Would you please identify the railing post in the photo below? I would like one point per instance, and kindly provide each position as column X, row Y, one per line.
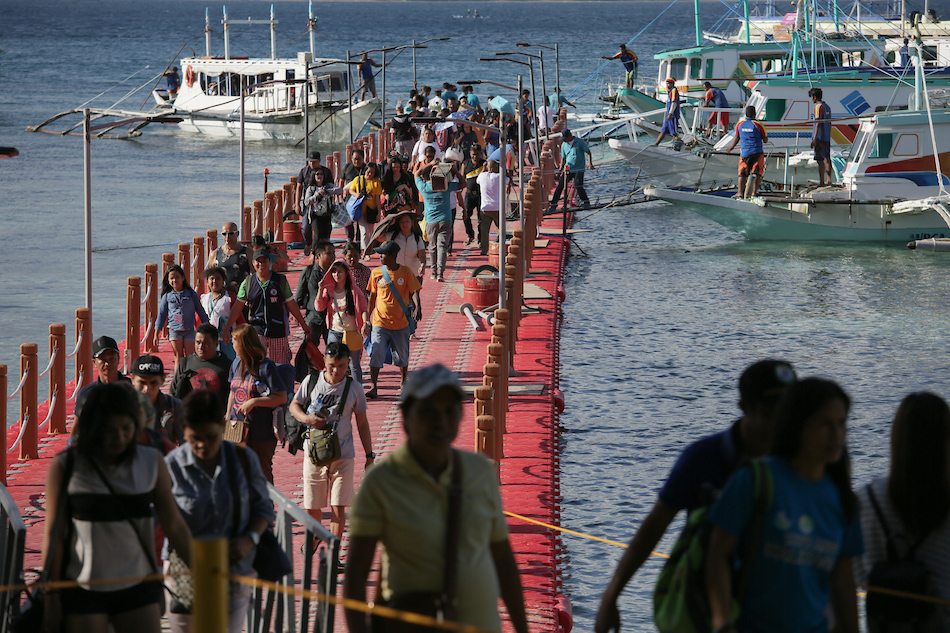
column 28, row 401
column 246, row 226
column 3, row 424
column 167, row 260
column 258, row 228
column 492, row 380
column 211, row 242
column 499, row 332
column 133, row 320
column 84, row 355
column 484, row 422
column 210, row 570
column 199, row 268
column 151, row 306
column 57, row 379
column 270, row 201
column 184, row 259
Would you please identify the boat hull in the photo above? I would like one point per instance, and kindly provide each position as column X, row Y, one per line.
column 857, row 222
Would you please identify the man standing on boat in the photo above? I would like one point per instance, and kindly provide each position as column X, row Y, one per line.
column 671, row 123
column 701, row 471
column 233, row 257
column 268, row 297
column 367, row 77
column 714, row 98
column 629, row 60
column 821, row 136
column 751, row 153
column 174, row 82
column 573, row 153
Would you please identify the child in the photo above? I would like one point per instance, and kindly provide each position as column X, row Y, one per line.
column 179, row 305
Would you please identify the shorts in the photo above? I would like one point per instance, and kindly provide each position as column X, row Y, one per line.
column 396, row 340
column 181, row 335
column 822, row 150
column 77, row 600
column 719, row 117
column 752, row 164
column 327, row 485
column 631, row 75
column 278, row 349
column 670, row 126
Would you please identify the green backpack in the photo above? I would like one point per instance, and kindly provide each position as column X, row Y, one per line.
column 680, row 600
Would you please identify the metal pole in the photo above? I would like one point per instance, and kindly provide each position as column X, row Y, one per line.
column 349, row 90
column 273, row 34
column 502, row 210
column 227, row 47
column 247, row 237
column 537, row 140
column 207, row 34
column 521, row 149
column 745, row 10
column 544, row 90
column 415, row 86
column 310, row 29
column 87, row 187
column 699, row 31
column 306, row 113
column 557, row 67
column 382, row 104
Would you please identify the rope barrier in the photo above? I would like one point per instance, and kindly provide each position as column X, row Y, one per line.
column 26, row 373
column 148, row 293
column 194, row 261
column 148, row 330
column 49, row 414
column 581, row 534
column 19, row 437
column 51, row 360
column 78, row 386
column 78, row 345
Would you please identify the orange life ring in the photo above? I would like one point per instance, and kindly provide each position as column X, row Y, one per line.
column 190, row 76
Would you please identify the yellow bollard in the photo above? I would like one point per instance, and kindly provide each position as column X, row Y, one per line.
column 210, row 570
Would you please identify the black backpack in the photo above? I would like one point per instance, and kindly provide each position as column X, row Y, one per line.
column 891, row 613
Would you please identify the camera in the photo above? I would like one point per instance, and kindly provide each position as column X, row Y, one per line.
column 323, row 412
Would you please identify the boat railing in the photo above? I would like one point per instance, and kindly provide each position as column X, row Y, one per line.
column 699, row 117
column 280, row 97
column 12, row 544
column 288, row 611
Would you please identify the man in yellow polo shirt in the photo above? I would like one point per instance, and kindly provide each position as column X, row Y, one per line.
column 403, row 504
column 388, row 325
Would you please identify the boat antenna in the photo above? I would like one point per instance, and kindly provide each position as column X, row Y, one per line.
column 310, row 24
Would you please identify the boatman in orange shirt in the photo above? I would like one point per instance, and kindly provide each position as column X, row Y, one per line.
column 672, row 119
column 751, row 134
column 389, row 325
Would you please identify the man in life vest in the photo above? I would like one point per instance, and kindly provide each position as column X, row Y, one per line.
column 751, row 134
column 671, row 121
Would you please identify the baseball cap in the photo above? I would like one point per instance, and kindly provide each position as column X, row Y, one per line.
column 148, row 365
column 388, row 247
column 670, row 80
column 261, row 252
column 765, row 380
column 313, row 156
column 104, row 344
column 422, row 383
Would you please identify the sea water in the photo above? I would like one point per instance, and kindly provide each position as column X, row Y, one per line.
column 664, row 309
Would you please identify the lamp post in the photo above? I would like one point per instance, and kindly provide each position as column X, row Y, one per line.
column 534, row 91
column 557, row 61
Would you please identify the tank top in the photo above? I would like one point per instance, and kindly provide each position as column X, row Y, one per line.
column 265, row 304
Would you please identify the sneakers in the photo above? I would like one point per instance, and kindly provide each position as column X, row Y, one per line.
column 469, row 242
column 585, row 205
column 434, row 275
column 372, row 394
column 441, row 279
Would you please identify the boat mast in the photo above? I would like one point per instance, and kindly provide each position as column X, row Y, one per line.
column 745, row 11
column 699, row 31
column 207, row 34
column 814, row 33
column 310, row 28
column 227, row 48
column 273, row 34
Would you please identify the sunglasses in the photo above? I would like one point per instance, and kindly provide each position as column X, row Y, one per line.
column 228, row 232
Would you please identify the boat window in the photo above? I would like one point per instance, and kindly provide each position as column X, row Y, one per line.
column 798, row 111
column 678, row 68
column 663, row 74
column 907, row 145
column 858, row 145
column 882, row 145
column 695, row 65
column 709, row 68
column 774, row 109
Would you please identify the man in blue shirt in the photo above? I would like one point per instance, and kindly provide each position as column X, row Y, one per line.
column 714, row 98
column 751, row 134
column 821, row 136
column 367, row 78
column 629, row 60
column 437, row 201
column 671, row 121
column 575, row 154
column 701, row 471
column 556, row 100
column 174, row 82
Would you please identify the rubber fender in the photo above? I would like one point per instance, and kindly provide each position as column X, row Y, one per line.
column 561, row 293
column 565, row 614
column 559, row 400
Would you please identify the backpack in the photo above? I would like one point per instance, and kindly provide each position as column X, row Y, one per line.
column 888, row 613
column 295, row 429
column 680, row 599
column 286, row 374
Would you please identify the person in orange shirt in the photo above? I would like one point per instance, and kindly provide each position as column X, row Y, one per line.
column 392, row 317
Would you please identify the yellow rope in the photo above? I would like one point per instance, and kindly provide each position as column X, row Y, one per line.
column 581, row 534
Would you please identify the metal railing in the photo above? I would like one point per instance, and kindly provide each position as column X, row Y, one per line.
column 12, row 543
column 283, row 607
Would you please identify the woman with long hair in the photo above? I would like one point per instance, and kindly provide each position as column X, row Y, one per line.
column 914, row 499
column 178, row 306
column 346, row 312
column 796, row 552
column 111, row 482
column 256, row 390
column 369, row 186
column 399, row 188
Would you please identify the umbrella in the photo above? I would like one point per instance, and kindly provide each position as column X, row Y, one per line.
column 496, row 155
column 386, row 226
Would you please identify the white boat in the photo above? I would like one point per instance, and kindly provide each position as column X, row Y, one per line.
column 891, row 168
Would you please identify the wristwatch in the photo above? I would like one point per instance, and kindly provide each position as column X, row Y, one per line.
column 255, row 537
column 371, row 455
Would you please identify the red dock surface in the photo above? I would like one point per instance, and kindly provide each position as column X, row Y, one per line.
column 529, row 471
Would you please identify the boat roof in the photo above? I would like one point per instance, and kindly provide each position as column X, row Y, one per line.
column 911, row 117
column 863, row 76
column 252, row 66
column 762, row 48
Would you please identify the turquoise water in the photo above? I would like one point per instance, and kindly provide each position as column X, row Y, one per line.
column 662, row 313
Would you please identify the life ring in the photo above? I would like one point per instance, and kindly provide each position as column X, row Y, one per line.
column 190, row 76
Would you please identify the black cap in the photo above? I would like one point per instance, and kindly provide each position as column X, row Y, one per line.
column 388, row 247
column 104, row 344
column 148, row 365
column 262, row 252
column 766, row 380
column 313, row 156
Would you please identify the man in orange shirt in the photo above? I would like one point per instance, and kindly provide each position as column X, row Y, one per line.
column 389, row 325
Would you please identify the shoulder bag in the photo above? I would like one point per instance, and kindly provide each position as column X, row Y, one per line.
column 402, row 304
column 354, row 204
column 270, row 561
column 325, row 443
column 441, row 605
column 297, row 430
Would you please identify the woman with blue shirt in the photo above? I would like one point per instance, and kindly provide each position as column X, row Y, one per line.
column 802, row 558
column 220, row 495
column 179, row 306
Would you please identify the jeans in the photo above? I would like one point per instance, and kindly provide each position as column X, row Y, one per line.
column 439, row 234
column 578, row 178
column 355, row 356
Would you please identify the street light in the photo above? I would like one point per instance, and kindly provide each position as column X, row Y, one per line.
column 557, row 60
column 534, row 91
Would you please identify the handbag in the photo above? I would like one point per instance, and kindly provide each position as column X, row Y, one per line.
column 324, row 446
column 270, row 560
column 181, row 584
column 354, row 204
column 402, row 304
column 340, row 217
column 30, row 617
column 236, row 431
column 440, row 605
column 368, row 348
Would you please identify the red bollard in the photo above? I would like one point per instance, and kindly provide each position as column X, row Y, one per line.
column 133, row 320
column 57, row 379
column 211, row 242
column 184, row 259
column 28, row 411
column 84, row 355
column 151, row 305
column 197, row 274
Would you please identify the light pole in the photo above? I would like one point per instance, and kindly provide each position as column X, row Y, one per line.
column 557, row 61
column 534, row 91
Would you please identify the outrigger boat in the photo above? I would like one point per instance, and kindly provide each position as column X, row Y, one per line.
column 280, row 95
column 892, row 190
